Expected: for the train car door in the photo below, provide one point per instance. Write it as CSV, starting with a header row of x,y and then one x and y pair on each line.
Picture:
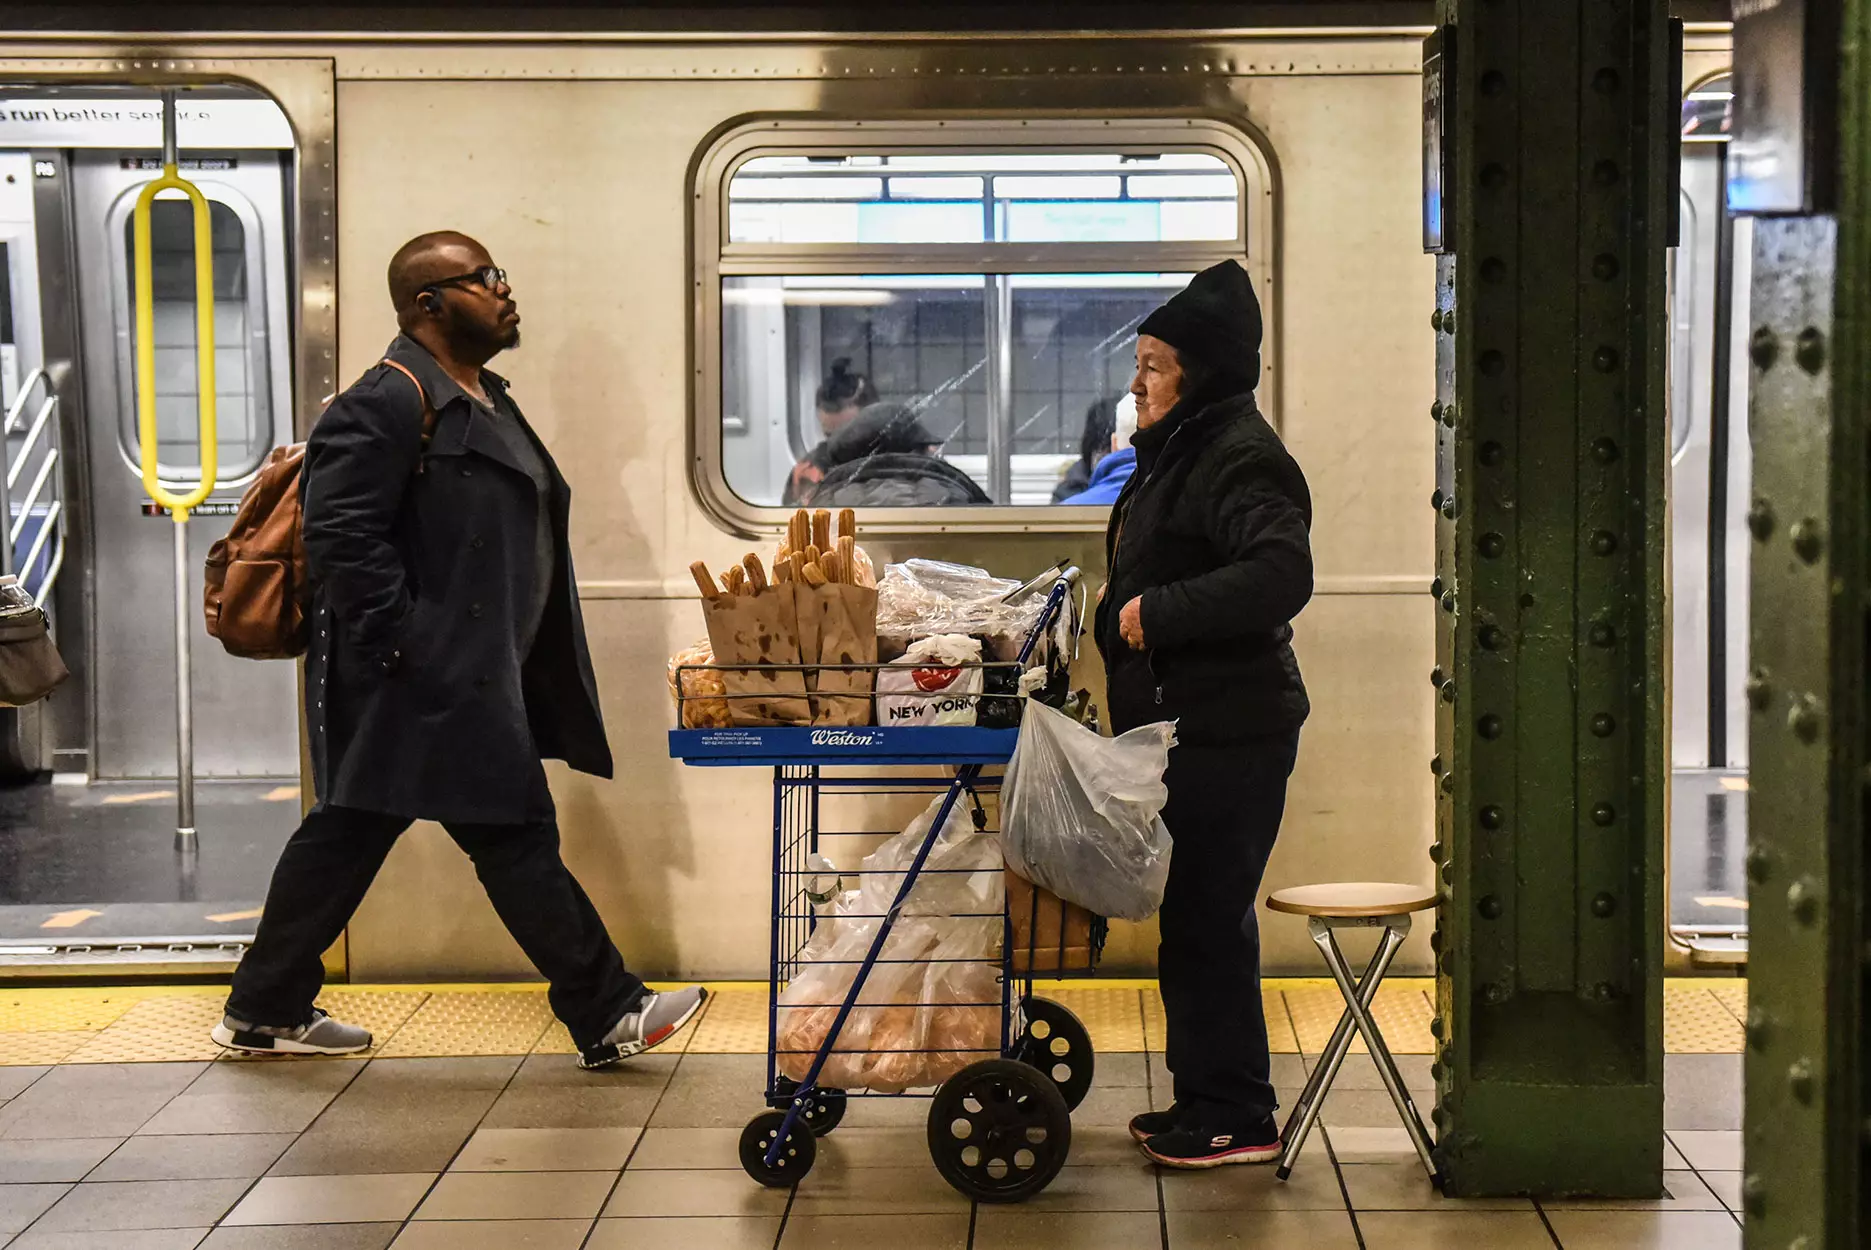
x,y
246,725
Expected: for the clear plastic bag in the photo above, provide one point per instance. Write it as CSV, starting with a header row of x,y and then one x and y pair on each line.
x,y
961,877
1081,813
922,598
884,1012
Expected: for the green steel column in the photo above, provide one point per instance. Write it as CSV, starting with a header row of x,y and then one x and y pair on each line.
x,y
1809,412
1552,761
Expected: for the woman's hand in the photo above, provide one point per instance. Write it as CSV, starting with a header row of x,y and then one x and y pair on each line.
x,y
1130,623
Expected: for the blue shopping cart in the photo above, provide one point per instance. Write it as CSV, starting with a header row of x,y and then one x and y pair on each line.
x,y
1000,1127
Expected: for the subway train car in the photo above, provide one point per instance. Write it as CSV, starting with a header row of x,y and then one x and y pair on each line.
x,y
718,242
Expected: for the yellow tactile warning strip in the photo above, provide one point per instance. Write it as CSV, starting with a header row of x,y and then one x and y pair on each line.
x,y
148,1024
1697,1022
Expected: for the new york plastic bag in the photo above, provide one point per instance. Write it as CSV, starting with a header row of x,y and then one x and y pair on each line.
x,y
1081,813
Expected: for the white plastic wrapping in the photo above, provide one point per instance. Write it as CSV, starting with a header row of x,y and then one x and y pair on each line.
x,y
1081,814
929,686
918,1019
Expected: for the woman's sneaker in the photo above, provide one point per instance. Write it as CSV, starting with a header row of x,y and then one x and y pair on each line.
x,y
1186,1147
1153,1123
320,1036
658,1018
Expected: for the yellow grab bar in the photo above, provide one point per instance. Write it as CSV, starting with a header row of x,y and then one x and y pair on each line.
x,y
178,505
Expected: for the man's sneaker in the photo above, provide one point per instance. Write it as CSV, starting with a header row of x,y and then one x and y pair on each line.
x,y
320,1036
657,1018
1151,1123
1186,1147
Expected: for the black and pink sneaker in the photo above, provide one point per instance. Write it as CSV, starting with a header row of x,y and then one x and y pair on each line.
x,y
1189,1147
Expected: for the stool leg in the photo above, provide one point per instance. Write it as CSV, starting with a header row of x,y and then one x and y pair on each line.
x,y
1312,1099
1386,1067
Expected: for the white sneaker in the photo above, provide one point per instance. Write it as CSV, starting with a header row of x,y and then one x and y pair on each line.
x,y
320,1036
658,1018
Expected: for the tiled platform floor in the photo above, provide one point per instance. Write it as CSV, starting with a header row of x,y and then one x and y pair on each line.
x,y
422,1145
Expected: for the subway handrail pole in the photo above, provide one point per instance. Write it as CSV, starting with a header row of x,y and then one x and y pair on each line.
x,y
179,505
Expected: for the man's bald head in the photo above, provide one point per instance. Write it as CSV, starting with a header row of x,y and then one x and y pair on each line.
x,y
430,258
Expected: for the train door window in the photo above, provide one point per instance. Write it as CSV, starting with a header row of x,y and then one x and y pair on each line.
x,y
243,408
944,315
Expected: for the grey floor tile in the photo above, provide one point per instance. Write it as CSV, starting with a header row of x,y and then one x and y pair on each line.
x,y
1406,1187
303,1237
849,1148
1121,1070
117,1239
1673,1160
877,1191
517,1196
549,1150
1366,1108
866,1232
547,1107
401,1131
874,1112
714,1091
52,1158
95,1099
1368,1145
1128,1188
716,1233
332,1199
1684,1191
494,1235
141,1204
1112,1106
20,1205
1022,1228
715,1192
1646,1230
1313,1230
458,1073
1727,1187
1312,1187
1360,1072
699,1149
1441,1229
15,1080
643,1072
1702,1092
1709,1150
1093,1145
195,1157
253,1098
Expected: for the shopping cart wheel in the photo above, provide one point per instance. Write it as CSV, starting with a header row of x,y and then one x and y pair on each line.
x,y
999,1131
1056,1042
795,1156
822,1114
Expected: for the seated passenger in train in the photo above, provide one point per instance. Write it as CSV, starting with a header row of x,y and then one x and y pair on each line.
x,y
447,658
1116,467
886,458
841,396
1210,559
1094,444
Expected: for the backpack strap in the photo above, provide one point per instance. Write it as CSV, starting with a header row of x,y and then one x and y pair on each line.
x,y
428,410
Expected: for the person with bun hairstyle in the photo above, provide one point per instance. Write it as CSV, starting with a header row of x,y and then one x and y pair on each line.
x,y
841,396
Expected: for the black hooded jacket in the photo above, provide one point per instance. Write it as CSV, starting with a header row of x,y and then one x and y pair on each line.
x,y
881,460
1212,532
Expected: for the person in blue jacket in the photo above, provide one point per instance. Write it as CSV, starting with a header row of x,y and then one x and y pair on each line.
x,y
1108,479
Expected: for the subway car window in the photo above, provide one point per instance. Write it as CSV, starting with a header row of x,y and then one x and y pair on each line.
x,y
243,413
860,365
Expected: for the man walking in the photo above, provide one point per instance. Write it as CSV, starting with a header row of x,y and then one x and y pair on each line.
x,y
447,659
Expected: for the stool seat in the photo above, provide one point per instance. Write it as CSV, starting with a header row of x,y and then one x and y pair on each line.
x,y
1352,899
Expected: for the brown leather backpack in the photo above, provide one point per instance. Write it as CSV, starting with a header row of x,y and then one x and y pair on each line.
x,y
256,592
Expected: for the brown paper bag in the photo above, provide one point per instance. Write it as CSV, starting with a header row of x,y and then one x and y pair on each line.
x,y
1052,935
838,626
761,628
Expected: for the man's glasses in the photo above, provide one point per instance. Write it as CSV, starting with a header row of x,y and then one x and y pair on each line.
x,y
489,276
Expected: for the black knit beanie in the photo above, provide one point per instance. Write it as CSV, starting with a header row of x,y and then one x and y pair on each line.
x,y
1215,320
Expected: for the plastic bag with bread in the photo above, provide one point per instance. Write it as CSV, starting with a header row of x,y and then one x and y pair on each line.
x,y
697,691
